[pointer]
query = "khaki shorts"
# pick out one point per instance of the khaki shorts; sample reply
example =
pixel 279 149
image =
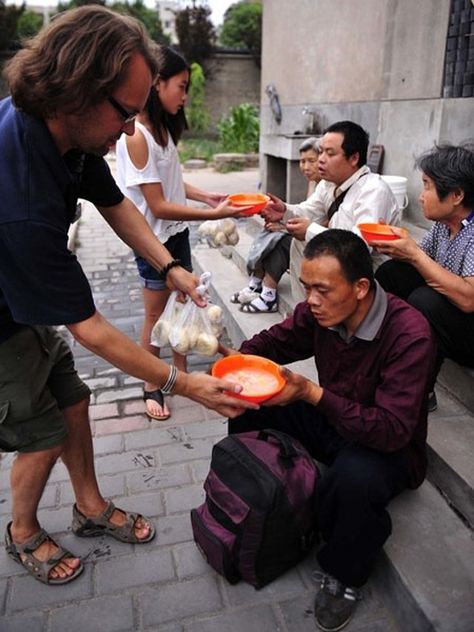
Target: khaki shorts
pixel 37 380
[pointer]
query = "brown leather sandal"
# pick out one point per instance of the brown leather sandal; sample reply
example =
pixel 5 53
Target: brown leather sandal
pixel 87 527
pixel 38 569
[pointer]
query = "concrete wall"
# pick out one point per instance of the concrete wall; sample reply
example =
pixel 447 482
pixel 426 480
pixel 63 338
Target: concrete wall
pixel 231 79
pixel 377 62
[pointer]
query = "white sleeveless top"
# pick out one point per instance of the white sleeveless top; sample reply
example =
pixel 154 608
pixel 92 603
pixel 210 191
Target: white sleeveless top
pixel 163 166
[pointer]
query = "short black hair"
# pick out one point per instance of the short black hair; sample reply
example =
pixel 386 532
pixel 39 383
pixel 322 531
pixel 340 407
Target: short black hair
pixel 451 167
pixel 348 248
pixel 356 139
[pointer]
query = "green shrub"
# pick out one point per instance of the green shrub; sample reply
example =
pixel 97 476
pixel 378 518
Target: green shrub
pixel 201 148
pixel 196 113
pixel 239 132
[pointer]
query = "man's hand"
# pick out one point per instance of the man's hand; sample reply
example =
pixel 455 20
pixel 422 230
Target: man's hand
pixel 296 388
pixel 209 391
pixel 405 249
pixel 226 351
pixel 274 210
pixel 275 227
pixel 297 227
pixel 186 282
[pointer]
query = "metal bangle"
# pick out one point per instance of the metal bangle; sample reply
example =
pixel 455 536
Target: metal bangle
pixel 170 383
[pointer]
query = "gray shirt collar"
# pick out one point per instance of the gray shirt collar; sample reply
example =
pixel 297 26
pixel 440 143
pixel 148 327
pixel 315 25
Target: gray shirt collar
pixel 368 328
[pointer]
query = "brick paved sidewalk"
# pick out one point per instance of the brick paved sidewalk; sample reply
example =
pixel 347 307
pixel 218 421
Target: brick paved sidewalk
pixel 157 469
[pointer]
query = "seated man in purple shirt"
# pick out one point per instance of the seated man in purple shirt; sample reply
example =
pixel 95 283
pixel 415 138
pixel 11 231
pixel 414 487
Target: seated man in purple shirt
pixel 437 276
pixel 366 419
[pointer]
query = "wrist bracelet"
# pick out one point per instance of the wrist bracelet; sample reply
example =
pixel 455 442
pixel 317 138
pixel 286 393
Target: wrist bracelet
pixel 171 264
pixel 170 383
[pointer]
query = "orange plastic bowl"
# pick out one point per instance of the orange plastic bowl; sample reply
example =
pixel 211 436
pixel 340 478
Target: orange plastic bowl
pixel 378 232
pixel 257 201
pixel 260 378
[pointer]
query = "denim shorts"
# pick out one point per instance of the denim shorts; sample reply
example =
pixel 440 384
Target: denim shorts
pixel 179 248
pixel 37 380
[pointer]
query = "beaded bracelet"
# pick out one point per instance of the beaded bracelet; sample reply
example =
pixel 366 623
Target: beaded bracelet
pixel 170 383
pixel 171 264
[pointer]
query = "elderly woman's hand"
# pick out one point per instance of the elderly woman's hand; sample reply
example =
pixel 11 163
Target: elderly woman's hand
pixel 404 249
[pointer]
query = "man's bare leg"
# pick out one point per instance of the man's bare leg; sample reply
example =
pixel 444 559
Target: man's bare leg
pixel 78 456
pixel 29 475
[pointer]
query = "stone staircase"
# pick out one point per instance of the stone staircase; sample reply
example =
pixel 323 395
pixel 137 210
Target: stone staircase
pixel 426 575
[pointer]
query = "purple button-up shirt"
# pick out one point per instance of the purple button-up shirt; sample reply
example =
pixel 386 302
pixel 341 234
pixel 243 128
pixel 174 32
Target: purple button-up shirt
pixel 375 383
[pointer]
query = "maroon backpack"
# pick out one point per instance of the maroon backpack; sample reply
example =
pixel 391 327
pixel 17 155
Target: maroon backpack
pixel 258 519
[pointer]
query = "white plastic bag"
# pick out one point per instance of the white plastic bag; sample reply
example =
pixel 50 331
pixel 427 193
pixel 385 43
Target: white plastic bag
pixel 161 330
pixel 219 232
pixel 197 329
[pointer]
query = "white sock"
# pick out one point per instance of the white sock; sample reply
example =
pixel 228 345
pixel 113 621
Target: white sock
pixel 268 293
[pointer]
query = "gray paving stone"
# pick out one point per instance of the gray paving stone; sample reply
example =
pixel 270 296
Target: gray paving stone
pixel 127 461
pixel 261 619
pixel 95 550
pixel 118 395
pixel 101 382
pixel 200 469
pixel 186 451
pixel 27 590
pixel 48 499
pixel 55 520
pixel 8 567
pixel 205 429
pixel 109 444
pixel 174 529
pixel 107 614
pixel 190 562
pixel 183 499
pixel 159 478
pixel 35 622
pixel 287 585
pixel 179 600
pixel 148 567
pixel 152 437
pixel 110 486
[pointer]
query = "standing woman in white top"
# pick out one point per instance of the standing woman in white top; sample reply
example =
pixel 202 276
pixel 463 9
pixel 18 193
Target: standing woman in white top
pixel 149 173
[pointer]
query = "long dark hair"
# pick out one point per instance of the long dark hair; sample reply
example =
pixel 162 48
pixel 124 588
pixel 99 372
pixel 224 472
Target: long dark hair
pixel 170 64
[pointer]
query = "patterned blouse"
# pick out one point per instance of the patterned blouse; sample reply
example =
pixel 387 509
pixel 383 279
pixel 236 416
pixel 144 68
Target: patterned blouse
pixel 456 255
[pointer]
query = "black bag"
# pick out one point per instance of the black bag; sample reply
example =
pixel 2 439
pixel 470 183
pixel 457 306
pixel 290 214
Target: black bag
pixel 258 519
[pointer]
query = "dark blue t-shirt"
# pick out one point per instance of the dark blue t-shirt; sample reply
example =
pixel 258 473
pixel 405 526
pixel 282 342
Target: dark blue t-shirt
pixel 41 281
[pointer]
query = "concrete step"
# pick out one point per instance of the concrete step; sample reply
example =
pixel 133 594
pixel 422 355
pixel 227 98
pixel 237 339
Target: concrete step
pixel 421 576
pixel 426 575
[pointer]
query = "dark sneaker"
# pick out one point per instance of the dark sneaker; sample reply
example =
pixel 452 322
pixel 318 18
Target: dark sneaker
pixel 334 604
pixel 432 402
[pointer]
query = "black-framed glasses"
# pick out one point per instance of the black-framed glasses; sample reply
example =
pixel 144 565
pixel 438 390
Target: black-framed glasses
pixel 127 116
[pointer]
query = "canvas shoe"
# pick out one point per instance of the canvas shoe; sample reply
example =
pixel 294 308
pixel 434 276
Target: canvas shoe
pixel 334 604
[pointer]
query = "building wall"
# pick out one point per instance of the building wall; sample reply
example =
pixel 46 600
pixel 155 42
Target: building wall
pixel 231 79
pixel 377 62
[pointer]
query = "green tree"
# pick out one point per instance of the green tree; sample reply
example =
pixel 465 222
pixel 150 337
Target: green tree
pixel 28 24
pixel 196 113
pixel 149 17
pixel 242 28
pixel 196 34
pixel 9 17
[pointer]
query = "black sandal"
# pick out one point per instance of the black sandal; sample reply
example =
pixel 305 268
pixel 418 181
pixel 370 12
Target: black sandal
pixel 156 396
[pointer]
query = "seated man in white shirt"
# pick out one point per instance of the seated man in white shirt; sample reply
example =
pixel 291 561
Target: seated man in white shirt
pixel 347 195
